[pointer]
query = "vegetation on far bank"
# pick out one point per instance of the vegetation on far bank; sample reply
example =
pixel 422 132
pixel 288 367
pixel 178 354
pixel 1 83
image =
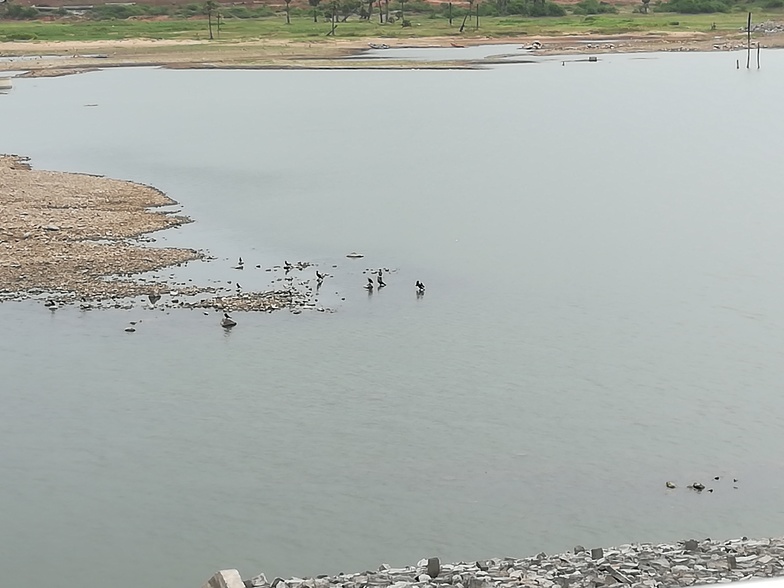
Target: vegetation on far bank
pixel 376 18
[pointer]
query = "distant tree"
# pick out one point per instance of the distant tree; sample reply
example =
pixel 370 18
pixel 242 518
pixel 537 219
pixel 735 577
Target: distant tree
pixel 348 7
pixel 210 7
pixel 314 4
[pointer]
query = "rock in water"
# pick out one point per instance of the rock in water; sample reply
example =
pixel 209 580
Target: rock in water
pixel 433 567
pixel 255 582
pixel 225 579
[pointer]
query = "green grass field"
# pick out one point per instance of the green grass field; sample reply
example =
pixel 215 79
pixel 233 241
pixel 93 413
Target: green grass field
pixel 303 28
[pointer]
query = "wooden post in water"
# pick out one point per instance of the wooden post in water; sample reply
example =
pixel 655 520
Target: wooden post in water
pixel 450 14
pixel 758 50
pixel 748 42
pixel 477 16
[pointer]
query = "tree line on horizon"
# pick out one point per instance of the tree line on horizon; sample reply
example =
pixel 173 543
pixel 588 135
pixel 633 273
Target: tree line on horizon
pixel 382 11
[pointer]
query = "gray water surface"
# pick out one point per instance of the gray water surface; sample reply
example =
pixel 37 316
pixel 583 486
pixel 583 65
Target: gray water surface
pixel 601 245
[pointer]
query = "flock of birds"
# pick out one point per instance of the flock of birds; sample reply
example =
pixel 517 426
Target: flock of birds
pixel 227 322
pixel 370 286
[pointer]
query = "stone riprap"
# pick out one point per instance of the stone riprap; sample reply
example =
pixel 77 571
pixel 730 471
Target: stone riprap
pixel 768 27
pixel 640 565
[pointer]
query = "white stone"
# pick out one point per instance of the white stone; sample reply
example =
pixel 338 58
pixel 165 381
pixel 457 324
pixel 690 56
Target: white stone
pixel 225 579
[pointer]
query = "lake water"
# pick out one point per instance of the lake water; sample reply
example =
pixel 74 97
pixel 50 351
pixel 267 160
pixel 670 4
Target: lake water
pixel 602 247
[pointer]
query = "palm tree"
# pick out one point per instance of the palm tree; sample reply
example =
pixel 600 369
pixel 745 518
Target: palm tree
pixel 314 4
pixel 210 7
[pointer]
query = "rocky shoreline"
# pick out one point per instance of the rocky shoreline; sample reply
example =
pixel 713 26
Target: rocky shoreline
pixel 638 565
pixel 70 238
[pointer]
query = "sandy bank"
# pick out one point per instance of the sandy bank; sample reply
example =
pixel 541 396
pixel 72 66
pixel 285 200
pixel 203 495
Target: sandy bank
pixel 58 58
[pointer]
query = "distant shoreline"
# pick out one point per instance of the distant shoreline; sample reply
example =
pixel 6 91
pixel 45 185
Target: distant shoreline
pixel 55 58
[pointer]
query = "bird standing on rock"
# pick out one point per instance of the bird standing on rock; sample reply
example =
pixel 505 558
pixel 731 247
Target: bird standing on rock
pixel 227 322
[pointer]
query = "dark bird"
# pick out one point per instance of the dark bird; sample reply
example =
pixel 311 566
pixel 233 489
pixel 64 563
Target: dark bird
pixel 238 286
pixel 319 276
pixel 369 285
pixel 227 322
pixel 420 287
pixel 381 283
pixel 287 266
pixel 241 262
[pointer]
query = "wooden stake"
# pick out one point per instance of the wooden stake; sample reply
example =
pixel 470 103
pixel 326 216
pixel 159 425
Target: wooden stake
pixel 465 18
pixel 450 14
pixel 758 50
pixel 748 42
pixel 477 16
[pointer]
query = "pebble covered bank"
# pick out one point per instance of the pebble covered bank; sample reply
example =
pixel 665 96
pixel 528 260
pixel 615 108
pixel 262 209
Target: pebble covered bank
pixel 639 565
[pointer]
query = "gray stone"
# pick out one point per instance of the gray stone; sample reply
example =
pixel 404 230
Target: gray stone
pixel 225 579
pixel 433 567
pixel 579 549
pixel 256 581
pixel 691 545
pixel 597 553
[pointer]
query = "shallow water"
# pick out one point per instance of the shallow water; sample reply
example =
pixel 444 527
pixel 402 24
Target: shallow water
pixel 601 245
pixel 477 52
